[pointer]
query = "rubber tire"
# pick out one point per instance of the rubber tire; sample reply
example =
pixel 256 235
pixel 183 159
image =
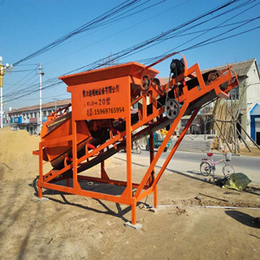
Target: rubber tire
pixel 165 149
pixel 204 165
pixel 228 169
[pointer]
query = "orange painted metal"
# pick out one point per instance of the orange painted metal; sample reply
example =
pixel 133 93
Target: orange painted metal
pixel 110 108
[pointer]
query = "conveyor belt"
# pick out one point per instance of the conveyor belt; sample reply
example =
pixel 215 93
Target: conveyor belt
pixel 58 163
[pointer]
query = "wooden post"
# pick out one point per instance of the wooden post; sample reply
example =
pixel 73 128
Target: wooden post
pixel 223 136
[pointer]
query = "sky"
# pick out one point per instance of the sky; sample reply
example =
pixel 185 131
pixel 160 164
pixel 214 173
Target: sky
pixel 229 35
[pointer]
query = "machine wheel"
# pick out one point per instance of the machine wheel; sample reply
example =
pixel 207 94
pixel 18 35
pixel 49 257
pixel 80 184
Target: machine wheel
pixel 228 170
pixel 172 108
pixel 213 75
pixel 205 168
pixel 165 149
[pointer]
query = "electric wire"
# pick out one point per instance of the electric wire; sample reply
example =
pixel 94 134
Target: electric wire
pixel 101 63
pixel 222 39
pixel 19 82
pixel 155 43
pixel 195 19
pixel 145 44
pixel 25 90
pixel 234 28
pixel 93 24
pixel 117 17
pixel 20 71
pixel 211 29
pixel 119 32
pixel 186 49
pixel 127 51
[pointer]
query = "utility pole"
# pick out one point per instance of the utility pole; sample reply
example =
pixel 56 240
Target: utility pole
pixel 41 74
pixel 55 102
pixel 3 69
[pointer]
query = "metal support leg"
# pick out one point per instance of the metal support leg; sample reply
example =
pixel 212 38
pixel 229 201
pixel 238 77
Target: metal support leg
pixel 134 211
pixel 151 144
pixel 133 224
pixel 155 196
pixel 104 175
pixel 39 192
pixel 40 170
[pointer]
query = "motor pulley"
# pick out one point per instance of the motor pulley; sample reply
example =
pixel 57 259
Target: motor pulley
pixel 146 82
pixel 177 66
pixel 172 108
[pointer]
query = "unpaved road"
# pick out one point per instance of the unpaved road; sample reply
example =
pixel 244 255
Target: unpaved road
pixel 73 227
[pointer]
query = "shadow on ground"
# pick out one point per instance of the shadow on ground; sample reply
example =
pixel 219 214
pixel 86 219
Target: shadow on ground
pixel 63 198
pixel 244 218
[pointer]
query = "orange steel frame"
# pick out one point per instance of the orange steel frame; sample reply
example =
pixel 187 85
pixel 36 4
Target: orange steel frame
pixel 149 183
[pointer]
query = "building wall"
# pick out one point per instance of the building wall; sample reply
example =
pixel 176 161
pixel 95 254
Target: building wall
pixel 253 92
pixel 249 95
pixel 29 120
pixel 242 105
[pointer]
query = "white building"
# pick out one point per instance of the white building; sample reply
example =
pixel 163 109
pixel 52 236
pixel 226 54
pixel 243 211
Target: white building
pixel 247 95
pixel 28 118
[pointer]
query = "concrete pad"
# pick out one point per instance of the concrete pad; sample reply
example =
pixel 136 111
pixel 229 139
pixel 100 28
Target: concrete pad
pixel 137 226
pixel 153 209
pixel 37 199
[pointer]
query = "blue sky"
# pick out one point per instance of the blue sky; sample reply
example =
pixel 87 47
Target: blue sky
pixel 30 25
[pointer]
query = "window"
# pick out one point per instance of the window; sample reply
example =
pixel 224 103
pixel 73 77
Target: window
pixel 234 94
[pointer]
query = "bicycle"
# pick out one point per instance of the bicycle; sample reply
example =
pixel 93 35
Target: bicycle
pixel 208 165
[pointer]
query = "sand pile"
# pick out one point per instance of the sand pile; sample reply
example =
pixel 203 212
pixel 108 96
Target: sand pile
pixel 16 159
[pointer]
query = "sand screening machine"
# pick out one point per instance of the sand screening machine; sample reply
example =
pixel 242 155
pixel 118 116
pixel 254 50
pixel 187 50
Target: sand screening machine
pixel 110 109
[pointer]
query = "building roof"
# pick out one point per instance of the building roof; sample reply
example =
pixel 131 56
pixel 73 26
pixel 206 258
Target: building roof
pixel 241 68
pixel 52 104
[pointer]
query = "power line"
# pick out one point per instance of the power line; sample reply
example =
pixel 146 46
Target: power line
pixel 113 13
pixel 127 51
pixel 19 82
pixel 124 53
pixel 223 23
pixel 211 29
pixel 130 50
pixel 156 38
pixel 121 30
pixel 186 49
pixel 224 38
pixel 26 65
pixel 191 27
pixel 24 90
pixel 222 33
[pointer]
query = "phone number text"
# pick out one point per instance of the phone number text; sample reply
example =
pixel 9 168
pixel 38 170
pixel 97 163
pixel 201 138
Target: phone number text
pixel 104 111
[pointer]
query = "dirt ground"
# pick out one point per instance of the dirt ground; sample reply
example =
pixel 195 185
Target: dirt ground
pixel 254 151
pixel 193 220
